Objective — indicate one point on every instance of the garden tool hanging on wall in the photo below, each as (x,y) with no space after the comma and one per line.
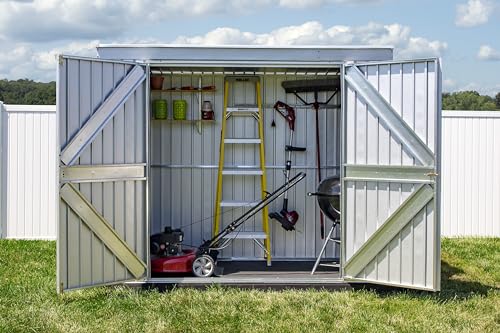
(287,218)
(314,86)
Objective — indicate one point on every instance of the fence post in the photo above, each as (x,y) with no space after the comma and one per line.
(2,205)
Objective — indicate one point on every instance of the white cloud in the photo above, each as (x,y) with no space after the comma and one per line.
(483,89)
(44,20)
(317,3)
(314,33)
(473,13)
(22,61)
(486,52)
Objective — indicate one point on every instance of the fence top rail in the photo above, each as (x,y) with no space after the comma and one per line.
(470,114)
(29,108)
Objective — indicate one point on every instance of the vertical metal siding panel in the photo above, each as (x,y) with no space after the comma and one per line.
(129,138)
(85,111)
(391,89)
(351,129)
(139,126)
(406,249)
(420,103)
(384,140)
(361,215)
(419,248)
(74,260)
(62,243)
(395,260)
(117,146)
(186,135)
(97,96)
(107,158)
(408,102)
(372,123)
(350,219)
(431,105)
(430,234)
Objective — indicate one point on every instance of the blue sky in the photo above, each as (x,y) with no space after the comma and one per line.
(465,33)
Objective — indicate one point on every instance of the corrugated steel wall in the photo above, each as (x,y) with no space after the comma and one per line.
(28,171)
(471,173)
(83,86)
(184,166)
(411,90)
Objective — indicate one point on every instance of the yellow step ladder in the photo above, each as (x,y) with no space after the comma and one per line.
(260,237)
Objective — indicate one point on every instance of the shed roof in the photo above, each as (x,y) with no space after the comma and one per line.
(242,54)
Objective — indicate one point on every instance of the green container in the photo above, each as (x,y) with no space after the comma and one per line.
(180,109)
(160,109)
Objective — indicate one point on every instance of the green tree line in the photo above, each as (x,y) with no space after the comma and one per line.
(27,92)
(31,93)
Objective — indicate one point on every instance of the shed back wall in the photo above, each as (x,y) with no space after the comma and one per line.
(184,166)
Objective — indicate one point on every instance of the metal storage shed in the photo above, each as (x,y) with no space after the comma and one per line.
(124,176)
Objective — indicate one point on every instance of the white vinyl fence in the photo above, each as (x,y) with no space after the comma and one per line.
(28,182)
(470,172)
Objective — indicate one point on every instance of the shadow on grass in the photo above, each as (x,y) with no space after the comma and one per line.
(452,286)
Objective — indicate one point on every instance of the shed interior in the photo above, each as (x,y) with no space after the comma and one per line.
(184,157)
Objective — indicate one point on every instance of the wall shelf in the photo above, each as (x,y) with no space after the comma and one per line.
(186,121)
(195,90)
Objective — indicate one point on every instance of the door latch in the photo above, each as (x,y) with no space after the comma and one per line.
(432,174)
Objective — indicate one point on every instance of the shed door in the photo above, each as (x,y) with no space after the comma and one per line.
(102,119)
(390,187)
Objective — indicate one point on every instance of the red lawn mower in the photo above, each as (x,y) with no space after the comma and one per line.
(171,257)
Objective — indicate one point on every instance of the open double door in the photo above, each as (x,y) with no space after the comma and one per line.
(390,220)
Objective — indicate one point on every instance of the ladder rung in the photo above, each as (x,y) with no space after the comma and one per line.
(242,140)
(247,109)
(247,235)
(243,172)
(235,203)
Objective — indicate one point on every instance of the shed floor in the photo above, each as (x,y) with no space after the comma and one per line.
(256,274)
(279,269)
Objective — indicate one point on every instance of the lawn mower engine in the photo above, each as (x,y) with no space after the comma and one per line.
(168,254)
(167,243)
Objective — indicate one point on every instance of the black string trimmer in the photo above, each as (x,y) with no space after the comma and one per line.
(314,86)
(287,218)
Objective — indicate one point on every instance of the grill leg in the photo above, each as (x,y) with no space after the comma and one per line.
(328,239)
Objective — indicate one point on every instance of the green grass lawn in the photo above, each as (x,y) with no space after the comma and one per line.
(469,301)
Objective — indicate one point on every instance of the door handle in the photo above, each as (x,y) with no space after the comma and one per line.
(432,174)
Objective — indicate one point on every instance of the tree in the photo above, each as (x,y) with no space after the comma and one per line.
(27,92)
(467,100)
(497,100)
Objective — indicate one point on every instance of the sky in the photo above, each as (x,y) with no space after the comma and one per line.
(464,33)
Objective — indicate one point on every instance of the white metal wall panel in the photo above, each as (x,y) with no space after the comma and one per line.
(470,174)
(82,87)
(29,172)
(410,88)
(184,166)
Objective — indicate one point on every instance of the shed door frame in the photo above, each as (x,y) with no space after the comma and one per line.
(424,175)
(71,174)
